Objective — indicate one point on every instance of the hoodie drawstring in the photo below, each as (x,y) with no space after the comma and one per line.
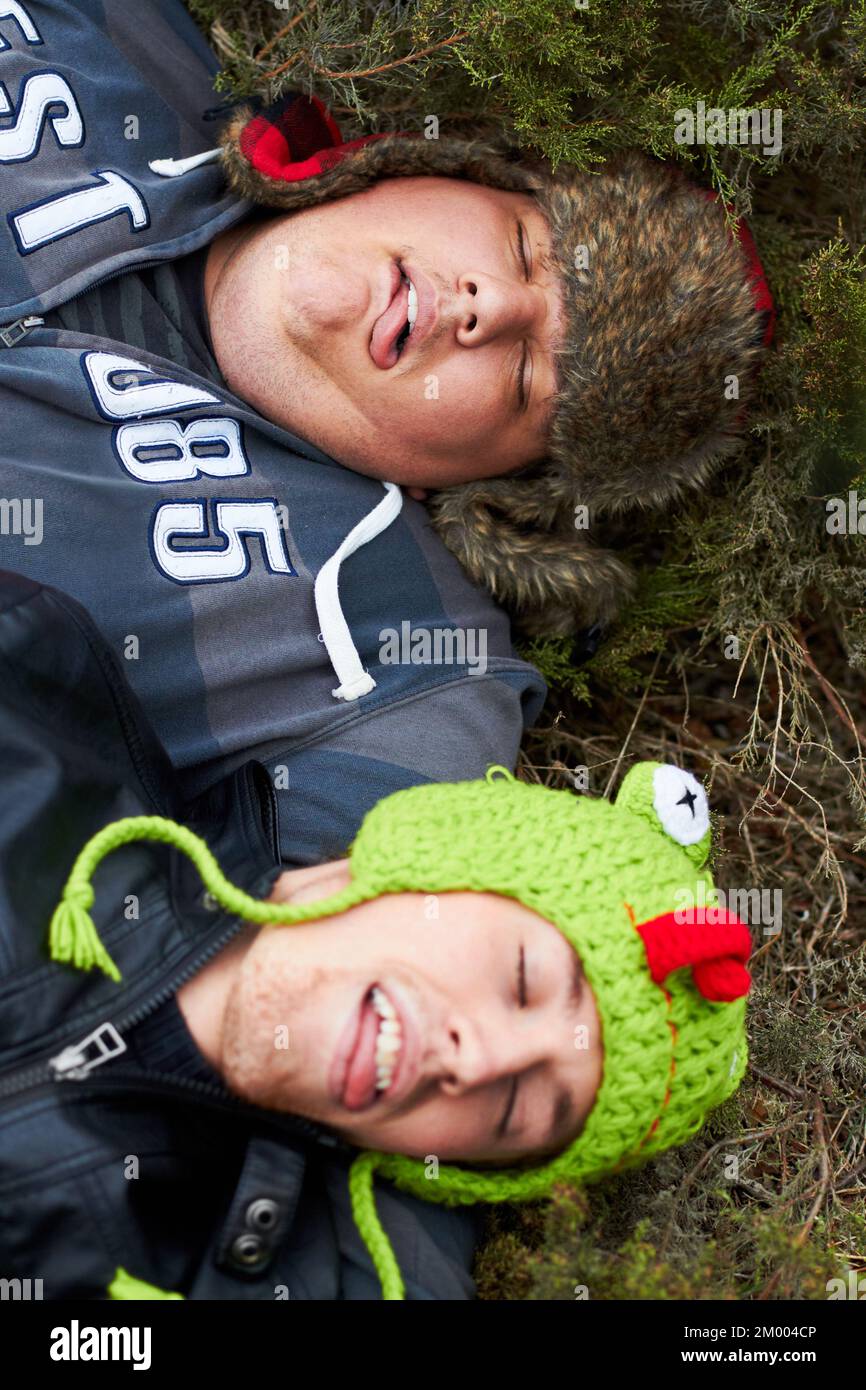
(175,168)
(343,654)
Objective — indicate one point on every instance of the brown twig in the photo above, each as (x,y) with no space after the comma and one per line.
(282,34)
(369,72)
(832,695)
(612,778)
(749,1137)
(785,1087)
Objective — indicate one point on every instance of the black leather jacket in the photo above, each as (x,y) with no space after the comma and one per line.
(76,753)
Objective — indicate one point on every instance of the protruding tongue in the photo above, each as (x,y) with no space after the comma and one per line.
(389,326)
(361,1077)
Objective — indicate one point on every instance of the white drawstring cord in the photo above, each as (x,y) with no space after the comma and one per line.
(354,680)
(173,168)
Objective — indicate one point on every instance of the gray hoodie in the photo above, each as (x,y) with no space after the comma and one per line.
(267,601)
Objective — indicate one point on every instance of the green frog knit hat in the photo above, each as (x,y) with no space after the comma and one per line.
(625,883)
(665,307)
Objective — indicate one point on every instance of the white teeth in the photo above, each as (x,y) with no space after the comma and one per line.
(388,1042)
(412,311)
(382,1004)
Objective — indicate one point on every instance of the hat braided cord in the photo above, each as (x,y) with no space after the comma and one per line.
(73,936)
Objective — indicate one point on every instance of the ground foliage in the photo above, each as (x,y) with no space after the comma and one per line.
(744,650)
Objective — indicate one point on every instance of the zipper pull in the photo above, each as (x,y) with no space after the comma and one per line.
(14,332)
(72,1065)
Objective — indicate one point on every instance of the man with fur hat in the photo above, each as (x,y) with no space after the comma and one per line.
(250,579)
(202,386)
(243,577)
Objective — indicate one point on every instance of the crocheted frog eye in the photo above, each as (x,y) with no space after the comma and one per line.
(680,803)
(672,801)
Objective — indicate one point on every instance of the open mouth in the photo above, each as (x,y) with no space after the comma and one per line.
(393,328)
(375,1057)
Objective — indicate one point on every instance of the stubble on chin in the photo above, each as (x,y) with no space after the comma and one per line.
(249,1053)
(264,1012)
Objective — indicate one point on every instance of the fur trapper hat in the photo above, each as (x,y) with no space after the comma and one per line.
(667,313)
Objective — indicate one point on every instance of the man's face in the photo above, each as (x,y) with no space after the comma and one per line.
(487,994)
(294,303)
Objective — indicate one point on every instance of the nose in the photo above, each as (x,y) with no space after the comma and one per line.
(482,1053)
(488,308)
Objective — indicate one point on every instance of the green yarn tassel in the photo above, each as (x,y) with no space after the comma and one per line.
(371,1229)
(126,1286)
(72,936)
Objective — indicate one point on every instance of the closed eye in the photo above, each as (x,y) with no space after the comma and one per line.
(521,995)
(521,383)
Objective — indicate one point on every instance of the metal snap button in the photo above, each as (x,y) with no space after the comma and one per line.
(248,1249)
(209,902)
(262,1214)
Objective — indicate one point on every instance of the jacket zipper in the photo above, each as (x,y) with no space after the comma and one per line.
(12,333)
(71,1063)
(105,1044)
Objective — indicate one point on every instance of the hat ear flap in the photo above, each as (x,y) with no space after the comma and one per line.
(291,155)
(501,532)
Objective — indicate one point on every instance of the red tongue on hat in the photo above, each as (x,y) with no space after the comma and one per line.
(711,940)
